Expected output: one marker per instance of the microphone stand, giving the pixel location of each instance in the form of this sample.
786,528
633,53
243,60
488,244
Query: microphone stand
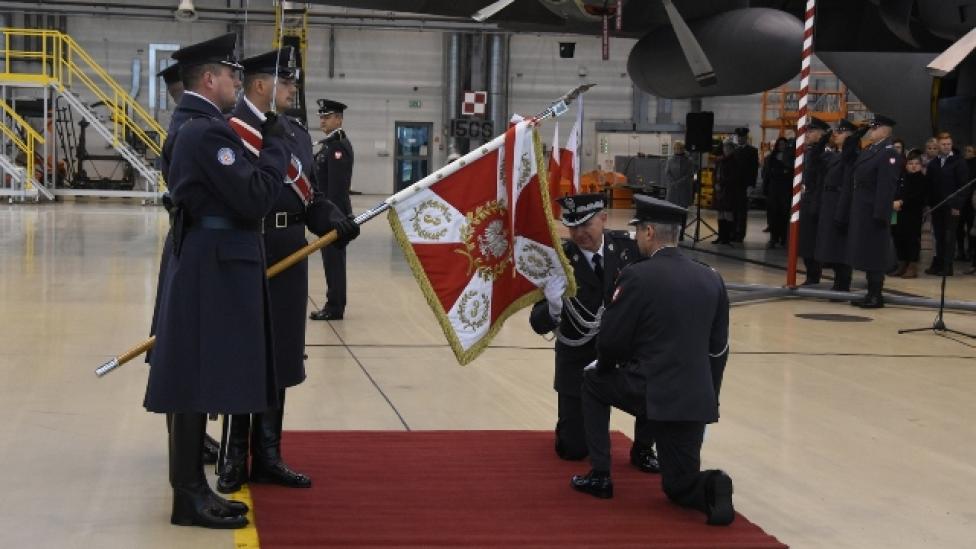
938,325
698,221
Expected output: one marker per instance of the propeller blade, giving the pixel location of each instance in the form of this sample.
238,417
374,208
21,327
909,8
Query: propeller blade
700,66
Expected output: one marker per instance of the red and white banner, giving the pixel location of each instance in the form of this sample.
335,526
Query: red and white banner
477,258
555,174
570,156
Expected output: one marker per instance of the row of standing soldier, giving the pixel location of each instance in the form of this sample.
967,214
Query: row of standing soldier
847,203
241,198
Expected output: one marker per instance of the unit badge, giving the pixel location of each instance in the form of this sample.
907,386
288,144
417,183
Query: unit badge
226,156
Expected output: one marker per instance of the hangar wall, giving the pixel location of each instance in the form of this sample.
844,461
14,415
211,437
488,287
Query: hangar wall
379,72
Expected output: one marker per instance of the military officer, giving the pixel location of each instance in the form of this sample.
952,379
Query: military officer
284,233
215,358
333,175
174,87
597,256
831,240
818,133
663,345
875,179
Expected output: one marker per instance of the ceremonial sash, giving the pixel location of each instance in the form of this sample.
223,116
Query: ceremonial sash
252,140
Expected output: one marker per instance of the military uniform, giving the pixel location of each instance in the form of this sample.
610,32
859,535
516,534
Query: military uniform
578,327
213,351
663,347
813,173
875,179
333,175
284,233
831,239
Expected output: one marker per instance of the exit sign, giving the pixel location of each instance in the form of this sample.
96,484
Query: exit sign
415,104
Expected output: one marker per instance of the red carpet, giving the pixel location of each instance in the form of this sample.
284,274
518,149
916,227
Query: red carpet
471,488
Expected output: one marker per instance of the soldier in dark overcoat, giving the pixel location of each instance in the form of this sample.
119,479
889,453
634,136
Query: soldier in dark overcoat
818,132
831,240
213,351
747,161
300,206
663,346
333,175
875,180
597,256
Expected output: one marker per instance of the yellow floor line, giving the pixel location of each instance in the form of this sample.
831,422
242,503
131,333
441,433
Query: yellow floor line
247,537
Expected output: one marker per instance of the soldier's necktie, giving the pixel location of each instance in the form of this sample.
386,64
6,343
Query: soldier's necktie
598,266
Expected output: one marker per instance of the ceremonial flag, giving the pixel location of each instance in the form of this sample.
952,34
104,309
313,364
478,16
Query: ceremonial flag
555,175
570,161
477,259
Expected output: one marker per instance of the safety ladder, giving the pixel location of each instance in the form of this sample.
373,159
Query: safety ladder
291,29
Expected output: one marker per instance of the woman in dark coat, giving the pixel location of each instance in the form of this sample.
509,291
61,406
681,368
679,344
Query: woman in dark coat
909,202
726,180
778,190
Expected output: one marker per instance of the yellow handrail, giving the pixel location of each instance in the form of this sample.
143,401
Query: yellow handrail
29,147
62,62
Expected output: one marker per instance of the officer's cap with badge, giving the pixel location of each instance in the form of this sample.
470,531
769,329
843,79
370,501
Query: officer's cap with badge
218,50
328,106
882,120
579,208
170,74
282,60
655,210
845,125
818,124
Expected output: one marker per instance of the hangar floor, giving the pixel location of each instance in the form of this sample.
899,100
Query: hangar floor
837,434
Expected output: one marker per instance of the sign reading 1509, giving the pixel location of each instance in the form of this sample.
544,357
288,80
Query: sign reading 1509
472,128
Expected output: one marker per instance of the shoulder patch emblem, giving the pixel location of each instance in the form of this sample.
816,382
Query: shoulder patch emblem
892,160
226,156
338,155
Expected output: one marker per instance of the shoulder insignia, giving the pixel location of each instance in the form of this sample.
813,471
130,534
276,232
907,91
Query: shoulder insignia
892,160
338,155
226,156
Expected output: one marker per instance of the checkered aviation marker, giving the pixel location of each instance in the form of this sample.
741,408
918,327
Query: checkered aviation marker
474,103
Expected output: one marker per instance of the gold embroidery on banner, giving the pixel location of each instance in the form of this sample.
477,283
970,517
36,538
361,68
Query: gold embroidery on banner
473,310
486,242
535,263
428,217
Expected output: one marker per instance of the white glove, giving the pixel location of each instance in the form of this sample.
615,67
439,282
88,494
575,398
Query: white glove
554,289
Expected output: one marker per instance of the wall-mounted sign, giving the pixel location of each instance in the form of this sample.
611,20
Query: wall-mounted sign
472,128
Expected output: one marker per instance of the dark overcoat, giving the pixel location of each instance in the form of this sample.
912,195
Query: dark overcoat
333,169
911,190
284,233
670,316
727,182
619,250
213,348
810,198
831,246
875,180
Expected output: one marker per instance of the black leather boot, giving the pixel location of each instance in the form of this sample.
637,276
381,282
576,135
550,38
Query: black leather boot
644,458
210,450
233,471
596,483
266,463
193,504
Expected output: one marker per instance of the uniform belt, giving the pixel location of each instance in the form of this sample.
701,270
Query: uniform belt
281,220
225,224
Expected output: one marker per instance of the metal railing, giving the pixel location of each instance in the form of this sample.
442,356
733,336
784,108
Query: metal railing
27,146
58,60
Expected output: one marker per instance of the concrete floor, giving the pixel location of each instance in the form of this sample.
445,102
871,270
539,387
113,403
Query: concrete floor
840,435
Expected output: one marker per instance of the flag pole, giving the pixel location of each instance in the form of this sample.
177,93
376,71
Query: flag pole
555,109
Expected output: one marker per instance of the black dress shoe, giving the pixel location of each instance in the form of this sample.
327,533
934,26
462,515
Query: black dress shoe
644,459
325,314
196,508
809,282
210,450
227,507
871,302
279,473
718,498
232,477
596,484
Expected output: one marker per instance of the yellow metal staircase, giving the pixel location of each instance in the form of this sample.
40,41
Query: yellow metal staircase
53,59
23,177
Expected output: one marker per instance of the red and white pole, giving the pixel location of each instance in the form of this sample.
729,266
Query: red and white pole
801,132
